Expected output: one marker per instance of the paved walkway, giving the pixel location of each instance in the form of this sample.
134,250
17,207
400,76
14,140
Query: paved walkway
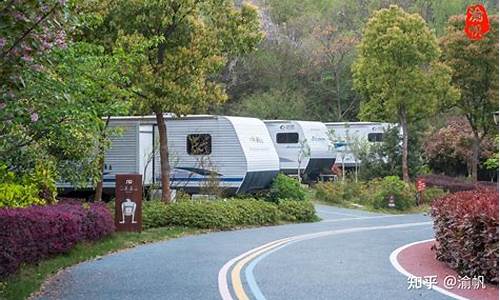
418,260
345,256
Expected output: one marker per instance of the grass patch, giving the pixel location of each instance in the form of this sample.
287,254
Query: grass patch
30,277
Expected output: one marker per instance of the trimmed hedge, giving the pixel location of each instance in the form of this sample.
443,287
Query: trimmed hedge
453,184
466,226
297,211
28,235
225,214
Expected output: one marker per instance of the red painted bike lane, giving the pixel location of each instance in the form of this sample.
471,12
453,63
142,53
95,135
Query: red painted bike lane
419,260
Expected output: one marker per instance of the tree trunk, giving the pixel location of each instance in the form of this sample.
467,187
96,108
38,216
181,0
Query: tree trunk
475,156
339,102
100,163
404,125
165,165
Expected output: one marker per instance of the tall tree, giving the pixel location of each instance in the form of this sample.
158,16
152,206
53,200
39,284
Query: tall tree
397,72
177,46
475,73
331,52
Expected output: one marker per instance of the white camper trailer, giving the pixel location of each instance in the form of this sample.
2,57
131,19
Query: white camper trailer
235,153
302,145
350,135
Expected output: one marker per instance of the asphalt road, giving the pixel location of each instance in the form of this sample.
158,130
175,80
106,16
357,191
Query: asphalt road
345,256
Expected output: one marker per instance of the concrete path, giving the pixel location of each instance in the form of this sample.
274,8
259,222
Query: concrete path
345,256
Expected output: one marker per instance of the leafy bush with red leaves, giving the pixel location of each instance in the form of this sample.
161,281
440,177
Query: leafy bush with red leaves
28,235
453,184
466,226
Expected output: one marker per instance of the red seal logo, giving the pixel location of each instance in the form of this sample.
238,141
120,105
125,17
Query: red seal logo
476,22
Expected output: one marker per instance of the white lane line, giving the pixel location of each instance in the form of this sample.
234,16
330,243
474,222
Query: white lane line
222,276
395,263
336,213
361,218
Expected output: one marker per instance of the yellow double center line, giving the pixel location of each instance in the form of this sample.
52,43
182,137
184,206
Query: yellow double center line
243,259
235,274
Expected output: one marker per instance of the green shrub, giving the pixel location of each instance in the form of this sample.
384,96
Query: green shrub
154,214
297,211
285,187
222,214
432,193
340,191
18,195
225,214
329,192
43,178
39,188
404,195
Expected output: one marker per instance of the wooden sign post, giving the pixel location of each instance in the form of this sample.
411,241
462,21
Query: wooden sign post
128,203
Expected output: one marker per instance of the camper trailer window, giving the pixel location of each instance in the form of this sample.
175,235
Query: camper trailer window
376,137
199,144
287,138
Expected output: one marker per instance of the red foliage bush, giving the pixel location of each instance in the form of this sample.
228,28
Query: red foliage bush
28,235
453,184
466,226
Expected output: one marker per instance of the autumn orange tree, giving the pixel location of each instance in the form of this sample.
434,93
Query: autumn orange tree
475,73
174,48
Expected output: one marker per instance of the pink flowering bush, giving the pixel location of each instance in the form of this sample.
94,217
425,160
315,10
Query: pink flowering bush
466,226
28,235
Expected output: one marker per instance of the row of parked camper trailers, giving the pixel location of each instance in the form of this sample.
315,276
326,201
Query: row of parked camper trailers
240,154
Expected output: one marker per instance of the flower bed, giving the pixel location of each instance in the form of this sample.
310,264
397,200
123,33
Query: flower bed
466,225
30,234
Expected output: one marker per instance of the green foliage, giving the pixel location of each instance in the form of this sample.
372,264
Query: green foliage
222,214
275,104
384,159
338,192
284,187
154,214
432,193
475,73
477,81
225,214
297,211
174,47
404,194
63,104
18,195
398,74
372,194
22,192
43,178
